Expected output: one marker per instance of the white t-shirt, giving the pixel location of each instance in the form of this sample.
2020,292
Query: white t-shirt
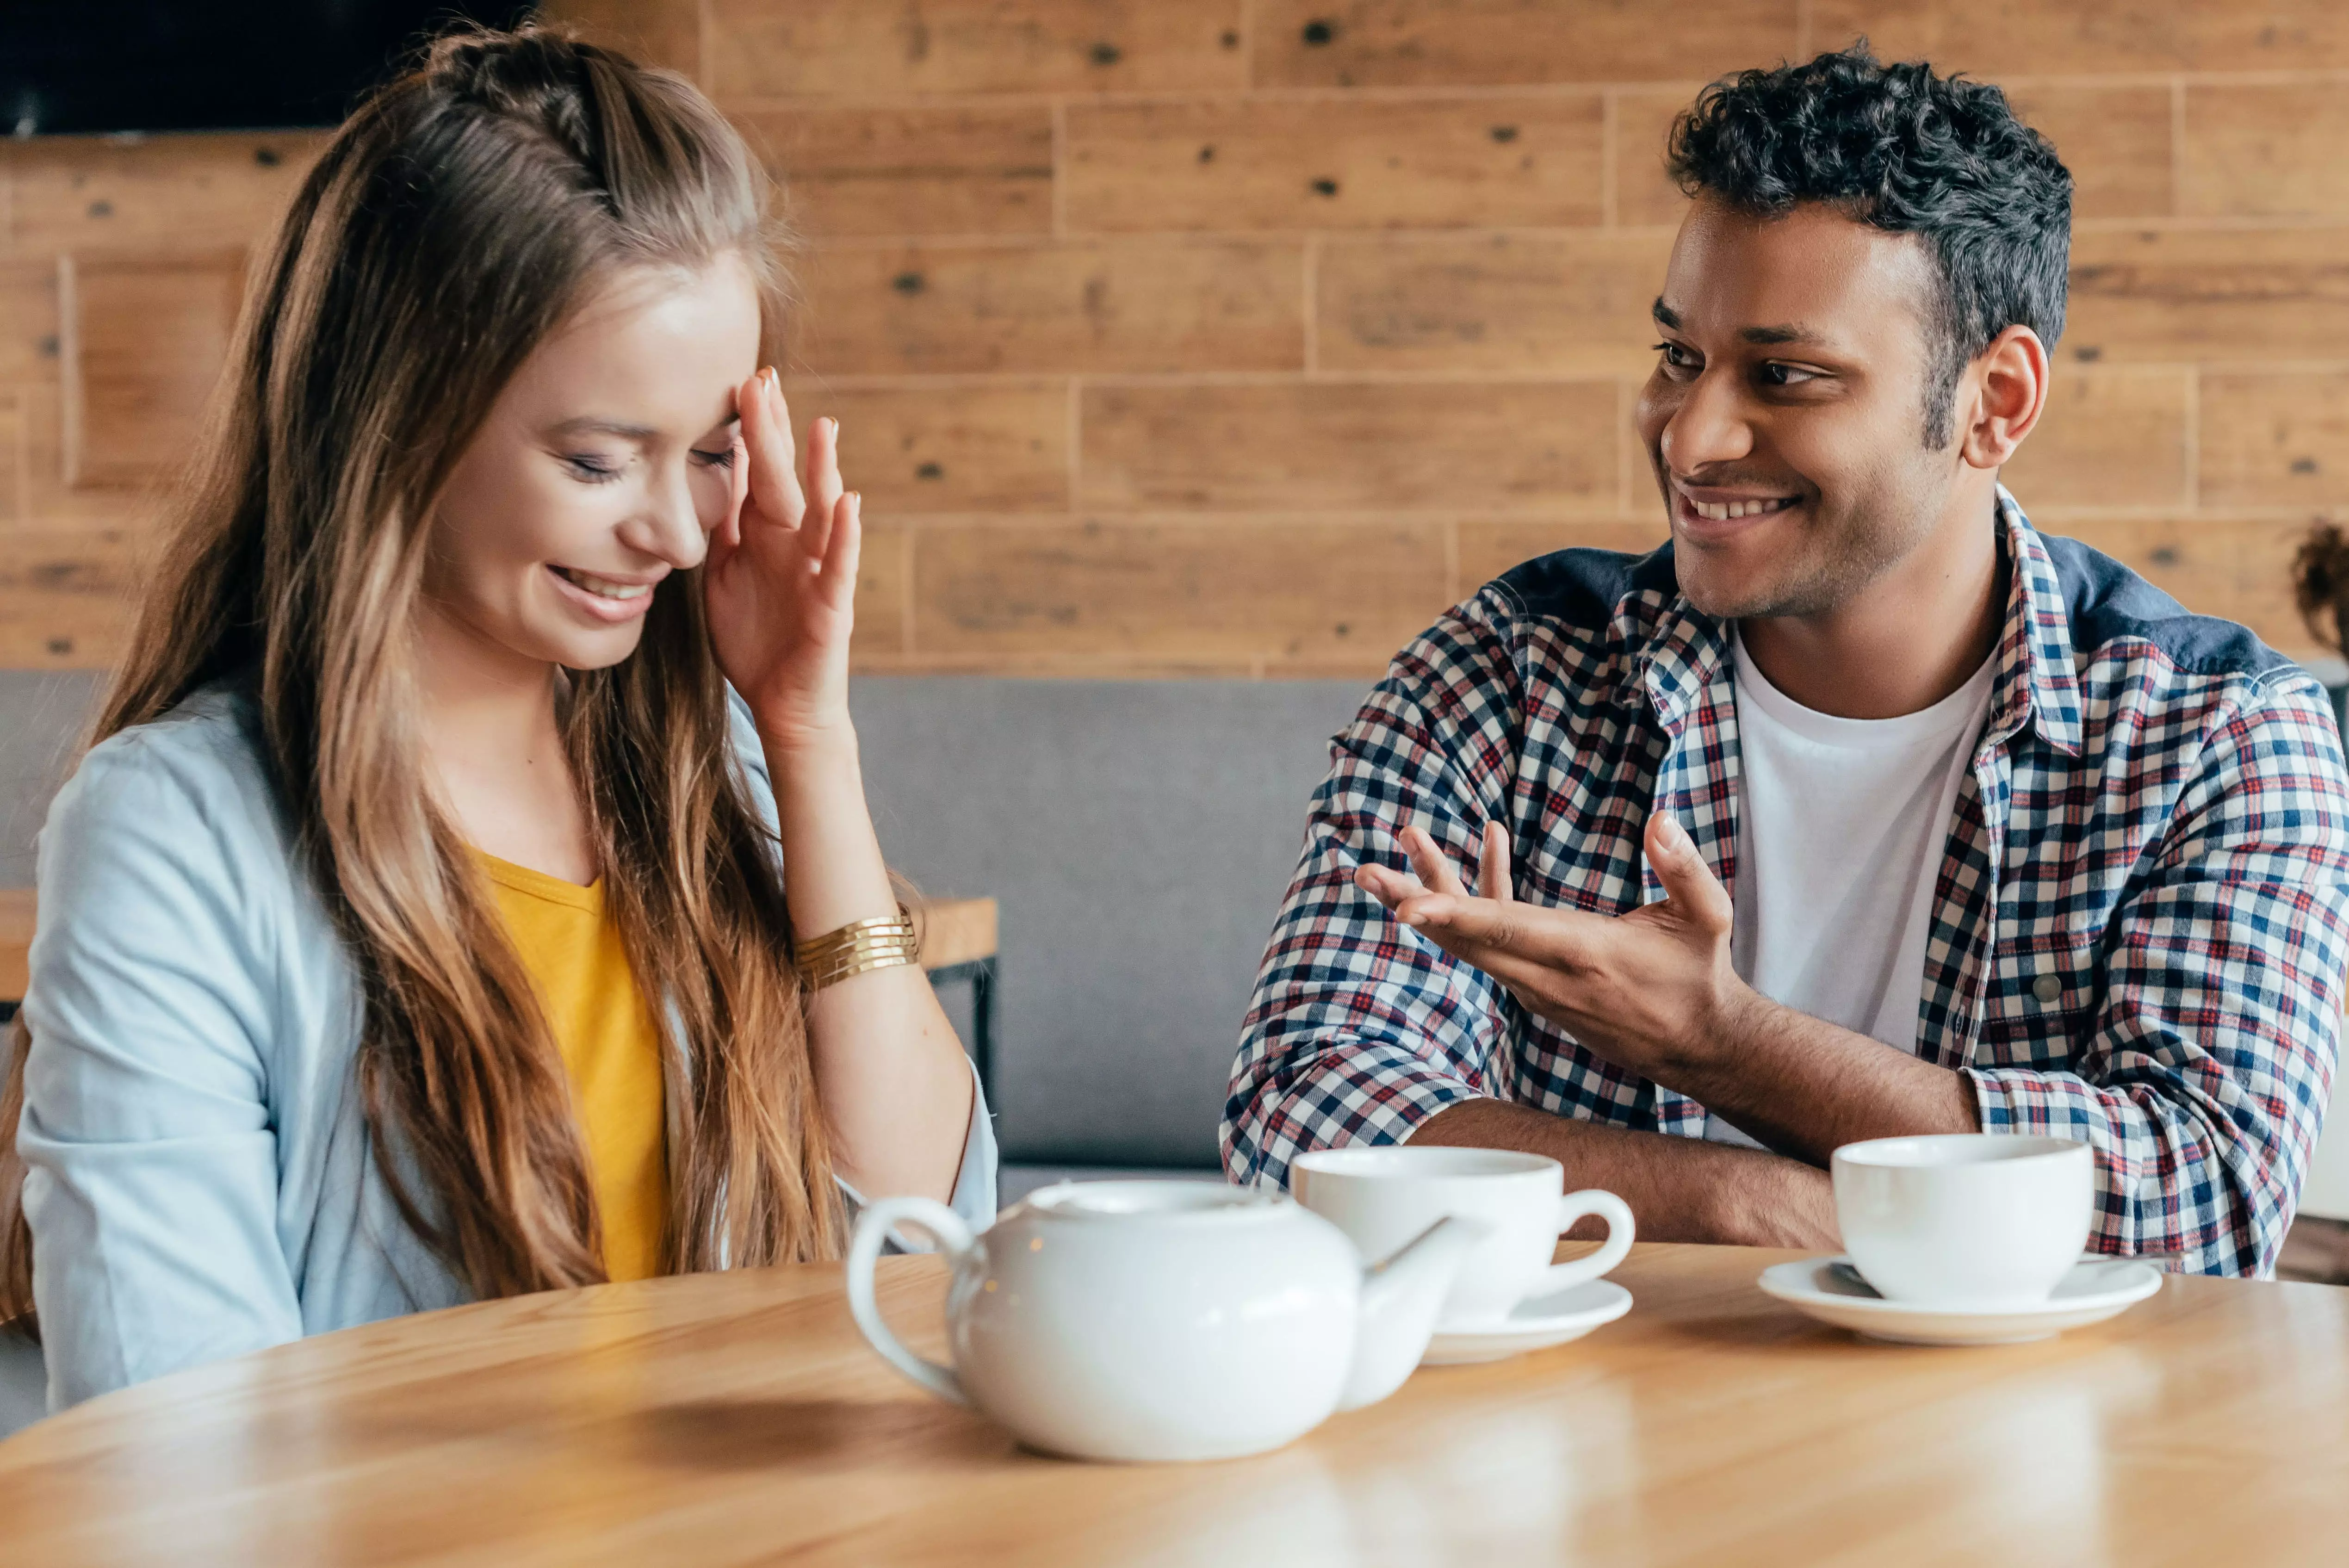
1840,832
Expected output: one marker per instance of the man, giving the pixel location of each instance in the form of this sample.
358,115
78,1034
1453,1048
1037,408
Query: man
1859,809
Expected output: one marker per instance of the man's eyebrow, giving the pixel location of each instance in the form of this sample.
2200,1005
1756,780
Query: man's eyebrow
1780,334
1665,314
589,425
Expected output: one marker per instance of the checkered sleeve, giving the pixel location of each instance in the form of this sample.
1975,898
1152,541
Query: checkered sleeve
2205,1083
1361,1028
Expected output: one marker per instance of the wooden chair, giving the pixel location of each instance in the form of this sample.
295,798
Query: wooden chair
958,945
15,942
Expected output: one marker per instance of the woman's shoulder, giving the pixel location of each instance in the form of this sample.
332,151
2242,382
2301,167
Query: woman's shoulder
201,755
196,772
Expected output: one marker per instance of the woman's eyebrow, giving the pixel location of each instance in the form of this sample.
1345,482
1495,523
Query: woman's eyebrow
588,424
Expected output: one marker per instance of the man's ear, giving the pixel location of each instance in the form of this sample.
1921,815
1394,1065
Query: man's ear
2010,379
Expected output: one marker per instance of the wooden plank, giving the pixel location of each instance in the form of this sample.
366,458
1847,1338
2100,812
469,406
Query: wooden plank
2116,140
975,169
882,574
665,32
28,321
1489,548
1255,164
2277,438
955,931
1574,304
1417,43
930,448
1306,446
50,501
1644,193
12,459
143,340
1068,308
66,596
167,193
838,48
1204,592
2236,568
2270,150
2110,437
2232,294
2034,37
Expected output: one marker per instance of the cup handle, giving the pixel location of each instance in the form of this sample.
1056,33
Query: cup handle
954,1238
1574,1206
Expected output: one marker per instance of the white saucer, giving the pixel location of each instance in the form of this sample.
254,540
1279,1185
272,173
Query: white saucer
1538,1323
2093,1292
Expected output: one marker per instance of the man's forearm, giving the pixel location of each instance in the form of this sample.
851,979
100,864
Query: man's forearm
1808,1086
1679,1189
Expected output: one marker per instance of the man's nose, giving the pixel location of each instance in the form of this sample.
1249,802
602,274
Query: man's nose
1709,426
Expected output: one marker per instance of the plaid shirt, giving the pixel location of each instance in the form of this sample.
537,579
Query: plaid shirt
2141,921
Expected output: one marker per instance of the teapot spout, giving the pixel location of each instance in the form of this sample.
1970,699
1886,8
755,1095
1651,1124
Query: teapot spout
1400,1296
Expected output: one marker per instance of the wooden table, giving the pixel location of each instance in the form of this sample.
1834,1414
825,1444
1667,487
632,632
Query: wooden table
735,1418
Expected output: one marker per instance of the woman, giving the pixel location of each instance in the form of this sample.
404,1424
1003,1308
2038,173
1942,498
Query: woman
422,926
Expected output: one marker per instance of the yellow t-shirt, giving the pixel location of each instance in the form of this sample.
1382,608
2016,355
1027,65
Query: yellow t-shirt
572,949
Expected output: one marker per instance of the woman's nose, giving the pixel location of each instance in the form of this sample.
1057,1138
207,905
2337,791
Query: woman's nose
668,526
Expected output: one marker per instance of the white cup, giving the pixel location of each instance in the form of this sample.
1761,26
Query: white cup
1970,1218
1383,1196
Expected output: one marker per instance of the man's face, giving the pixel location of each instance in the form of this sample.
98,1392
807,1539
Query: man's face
1785,418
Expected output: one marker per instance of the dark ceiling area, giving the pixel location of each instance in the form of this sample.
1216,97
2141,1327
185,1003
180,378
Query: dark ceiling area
205,65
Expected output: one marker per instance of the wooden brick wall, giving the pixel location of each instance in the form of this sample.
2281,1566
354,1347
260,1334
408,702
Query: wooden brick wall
1240,336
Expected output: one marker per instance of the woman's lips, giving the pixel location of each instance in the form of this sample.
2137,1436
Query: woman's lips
605,598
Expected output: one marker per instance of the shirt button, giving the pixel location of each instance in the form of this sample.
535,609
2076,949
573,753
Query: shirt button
2047,987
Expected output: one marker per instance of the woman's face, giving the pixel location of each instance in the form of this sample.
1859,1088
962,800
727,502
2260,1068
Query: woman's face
602,469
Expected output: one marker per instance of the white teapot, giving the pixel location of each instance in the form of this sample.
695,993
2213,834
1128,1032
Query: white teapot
1164,1320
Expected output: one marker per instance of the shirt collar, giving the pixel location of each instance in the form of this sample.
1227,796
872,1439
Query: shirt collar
1682,651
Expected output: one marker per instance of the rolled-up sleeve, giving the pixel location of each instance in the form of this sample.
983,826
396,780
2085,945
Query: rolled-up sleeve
1360,1028
151,1177
2204,1084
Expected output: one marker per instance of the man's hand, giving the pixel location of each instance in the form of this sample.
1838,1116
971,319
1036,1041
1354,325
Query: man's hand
1654,993
1651,991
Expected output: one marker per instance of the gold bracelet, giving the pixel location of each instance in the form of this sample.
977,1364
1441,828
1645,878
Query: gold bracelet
883,941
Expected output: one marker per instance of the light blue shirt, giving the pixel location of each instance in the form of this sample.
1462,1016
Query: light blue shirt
198,1181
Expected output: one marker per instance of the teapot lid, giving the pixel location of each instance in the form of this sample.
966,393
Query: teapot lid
1196,1202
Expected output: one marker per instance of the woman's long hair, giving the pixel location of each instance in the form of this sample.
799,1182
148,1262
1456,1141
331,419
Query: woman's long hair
460,216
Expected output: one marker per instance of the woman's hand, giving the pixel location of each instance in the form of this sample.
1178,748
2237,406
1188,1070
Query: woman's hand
781,580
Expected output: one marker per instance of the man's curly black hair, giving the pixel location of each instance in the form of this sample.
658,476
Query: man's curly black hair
1909,152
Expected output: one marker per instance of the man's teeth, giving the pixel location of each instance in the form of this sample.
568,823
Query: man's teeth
1724,511
603,587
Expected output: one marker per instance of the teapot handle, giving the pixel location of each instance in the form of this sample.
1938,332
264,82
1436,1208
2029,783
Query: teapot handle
872,1226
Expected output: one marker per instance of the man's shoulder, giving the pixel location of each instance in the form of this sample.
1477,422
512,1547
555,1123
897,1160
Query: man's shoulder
2167,675
1581,589
2115,614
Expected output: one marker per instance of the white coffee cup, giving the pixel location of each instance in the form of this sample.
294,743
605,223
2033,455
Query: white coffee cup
1384,1195
1971,1219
